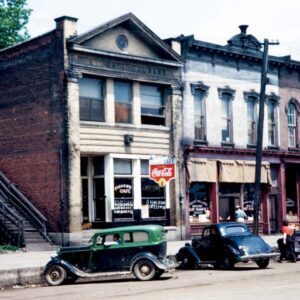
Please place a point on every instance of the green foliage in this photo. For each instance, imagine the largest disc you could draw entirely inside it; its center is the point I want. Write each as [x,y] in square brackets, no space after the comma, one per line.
[14,17]
[7,248]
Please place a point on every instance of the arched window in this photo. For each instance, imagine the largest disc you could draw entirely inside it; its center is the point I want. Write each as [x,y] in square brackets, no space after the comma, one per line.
[251,99]
[292,125]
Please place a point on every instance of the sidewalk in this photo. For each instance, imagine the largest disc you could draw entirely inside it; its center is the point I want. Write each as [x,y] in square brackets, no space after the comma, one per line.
[22,268]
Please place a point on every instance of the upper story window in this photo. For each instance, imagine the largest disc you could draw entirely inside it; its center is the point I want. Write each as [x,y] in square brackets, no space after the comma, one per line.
[199,91]
[251,100]
[152,105]
[226,96]
[91,99]
[292,124]
[272,105]
[123,102]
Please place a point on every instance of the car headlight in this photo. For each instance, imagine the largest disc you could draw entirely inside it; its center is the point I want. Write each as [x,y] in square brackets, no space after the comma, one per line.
[53,255]
[244,249]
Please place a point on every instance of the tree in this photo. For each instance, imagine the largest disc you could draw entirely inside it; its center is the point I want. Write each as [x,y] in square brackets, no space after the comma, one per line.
[14,17]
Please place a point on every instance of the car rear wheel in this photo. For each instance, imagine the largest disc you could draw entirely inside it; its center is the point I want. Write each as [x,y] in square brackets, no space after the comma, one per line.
[55,275]
[262,263]
[144,269]
[228,263]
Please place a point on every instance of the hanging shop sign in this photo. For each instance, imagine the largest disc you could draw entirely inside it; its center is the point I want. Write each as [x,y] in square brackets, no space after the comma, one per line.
[162,169]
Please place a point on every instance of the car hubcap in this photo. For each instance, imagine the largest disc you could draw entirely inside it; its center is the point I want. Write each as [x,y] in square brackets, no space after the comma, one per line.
[145,270]
[55,275]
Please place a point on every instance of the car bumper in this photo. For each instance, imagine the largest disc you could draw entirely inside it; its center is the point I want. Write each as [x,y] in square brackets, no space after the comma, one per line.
[171,263]
[258,256]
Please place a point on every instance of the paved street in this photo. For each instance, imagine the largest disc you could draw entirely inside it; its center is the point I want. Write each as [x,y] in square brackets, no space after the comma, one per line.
[279,281]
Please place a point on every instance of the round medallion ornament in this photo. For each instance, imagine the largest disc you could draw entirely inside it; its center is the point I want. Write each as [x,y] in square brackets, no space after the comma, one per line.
[122,42]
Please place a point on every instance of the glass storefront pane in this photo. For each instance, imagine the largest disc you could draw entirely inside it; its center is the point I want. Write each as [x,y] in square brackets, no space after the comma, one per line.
[199,207]
[123,194]
[122,166]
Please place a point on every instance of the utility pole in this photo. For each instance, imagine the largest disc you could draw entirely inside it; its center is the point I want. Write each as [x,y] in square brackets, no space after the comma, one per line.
[260,129]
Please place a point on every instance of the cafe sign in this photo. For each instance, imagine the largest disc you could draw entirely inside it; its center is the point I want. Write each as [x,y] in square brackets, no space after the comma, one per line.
[162,169]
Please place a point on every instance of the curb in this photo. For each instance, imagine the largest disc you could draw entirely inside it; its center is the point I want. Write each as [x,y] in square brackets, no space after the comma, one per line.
[22,277]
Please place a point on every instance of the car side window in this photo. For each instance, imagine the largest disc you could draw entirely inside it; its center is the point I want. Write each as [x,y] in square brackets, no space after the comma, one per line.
[206,233]
[100,240]
[139,236]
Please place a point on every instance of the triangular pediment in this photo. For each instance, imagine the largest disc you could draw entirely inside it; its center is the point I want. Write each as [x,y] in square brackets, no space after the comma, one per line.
[127,36]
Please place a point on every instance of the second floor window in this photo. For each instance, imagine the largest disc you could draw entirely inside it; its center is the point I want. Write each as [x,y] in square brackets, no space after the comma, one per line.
[199,115]
[123,102]
[292,125]
[226,122]
[91,99]
[152,105]
[251,120]
[272,123]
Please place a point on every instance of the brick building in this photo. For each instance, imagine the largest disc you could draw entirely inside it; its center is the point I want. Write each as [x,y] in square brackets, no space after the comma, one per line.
[80,117]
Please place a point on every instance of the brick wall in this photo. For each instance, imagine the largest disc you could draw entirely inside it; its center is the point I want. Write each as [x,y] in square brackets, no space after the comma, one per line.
[32,110]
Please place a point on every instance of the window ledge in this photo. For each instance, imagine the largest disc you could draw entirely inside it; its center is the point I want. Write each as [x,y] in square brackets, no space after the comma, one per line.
[251,146]
[294,149]
[227,145]
[273,148]
[200,143]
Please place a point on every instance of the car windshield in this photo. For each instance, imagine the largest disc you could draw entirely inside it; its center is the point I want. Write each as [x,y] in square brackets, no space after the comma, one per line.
[234,229]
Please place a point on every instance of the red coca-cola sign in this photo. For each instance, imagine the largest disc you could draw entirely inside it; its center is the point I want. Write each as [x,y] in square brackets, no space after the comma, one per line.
[162,170]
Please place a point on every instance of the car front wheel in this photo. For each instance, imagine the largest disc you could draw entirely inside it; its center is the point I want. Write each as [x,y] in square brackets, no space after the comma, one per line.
[55,275]
[144,269]
[262,263]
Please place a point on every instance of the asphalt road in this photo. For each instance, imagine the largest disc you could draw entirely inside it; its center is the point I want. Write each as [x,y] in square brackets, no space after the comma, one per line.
[246,281]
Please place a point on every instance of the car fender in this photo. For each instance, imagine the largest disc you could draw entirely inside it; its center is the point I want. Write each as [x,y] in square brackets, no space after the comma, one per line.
[67,266]
[148,255]
[232,251]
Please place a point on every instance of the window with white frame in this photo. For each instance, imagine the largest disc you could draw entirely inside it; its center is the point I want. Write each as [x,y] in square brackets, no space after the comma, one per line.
[226,96]
[272,122]
[199,91]
[251,100]
[153,196]
[91,99]
[123,189]
[152,104]
[199,116]
[292,124]
[123,101]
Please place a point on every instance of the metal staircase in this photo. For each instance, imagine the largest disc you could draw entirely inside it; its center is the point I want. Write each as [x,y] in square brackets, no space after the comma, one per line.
[21,224]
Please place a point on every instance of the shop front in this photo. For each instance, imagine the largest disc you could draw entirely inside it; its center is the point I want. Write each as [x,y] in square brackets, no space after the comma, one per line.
[117,191]
[217,185]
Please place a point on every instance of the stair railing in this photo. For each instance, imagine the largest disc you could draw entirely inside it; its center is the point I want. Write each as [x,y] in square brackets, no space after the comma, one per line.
[8,215]
[25,207]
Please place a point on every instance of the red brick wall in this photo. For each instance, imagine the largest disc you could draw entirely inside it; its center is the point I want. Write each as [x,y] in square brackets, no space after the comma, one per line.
[32,109]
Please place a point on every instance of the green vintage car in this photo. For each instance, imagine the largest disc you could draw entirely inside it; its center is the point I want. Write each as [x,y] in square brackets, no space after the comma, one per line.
[138,250]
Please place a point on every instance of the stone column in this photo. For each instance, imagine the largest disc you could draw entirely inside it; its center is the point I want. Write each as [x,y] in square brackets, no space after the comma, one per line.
[282,194]
[178,199]
[73,140]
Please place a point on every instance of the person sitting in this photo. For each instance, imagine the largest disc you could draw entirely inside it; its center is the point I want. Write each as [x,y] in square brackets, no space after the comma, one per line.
[116,238]
[286,244]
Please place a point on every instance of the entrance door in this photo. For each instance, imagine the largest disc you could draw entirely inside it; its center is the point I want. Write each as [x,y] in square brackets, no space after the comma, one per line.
[85,200]
[99,199]
[273,213]
[227,206]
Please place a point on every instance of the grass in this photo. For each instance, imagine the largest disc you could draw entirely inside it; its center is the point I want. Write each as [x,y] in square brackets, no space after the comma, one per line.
[7,248]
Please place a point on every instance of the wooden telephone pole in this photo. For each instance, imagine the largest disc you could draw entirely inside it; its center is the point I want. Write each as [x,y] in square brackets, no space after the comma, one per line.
[260,127]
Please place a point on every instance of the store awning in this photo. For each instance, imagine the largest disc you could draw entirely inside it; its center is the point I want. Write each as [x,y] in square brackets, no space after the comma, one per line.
[201,170]
[231,171]
[243,171]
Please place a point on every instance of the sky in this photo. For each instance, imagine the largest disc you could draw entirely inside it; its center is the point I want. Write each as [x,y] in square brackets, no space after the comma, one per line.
[213,21]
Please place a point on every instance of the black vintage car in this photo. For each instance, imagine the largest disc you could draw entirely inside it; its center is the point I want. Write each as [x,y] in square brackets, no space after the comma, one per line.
[140,250]
[223,245]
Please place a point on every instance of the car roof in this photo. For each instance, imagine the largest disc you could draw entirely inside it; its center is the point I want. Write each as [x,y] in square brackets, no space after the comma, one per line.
[148,228]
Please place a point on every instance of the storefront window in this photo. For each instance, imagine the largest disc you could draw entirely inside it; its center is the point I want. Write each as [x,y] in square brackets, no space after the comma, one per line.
[123,190]
[248,206]
[199,206]
[153,196]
